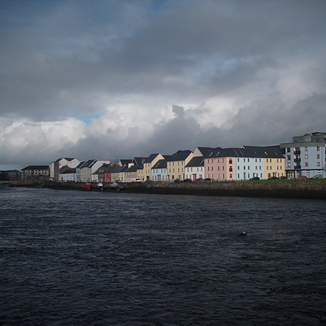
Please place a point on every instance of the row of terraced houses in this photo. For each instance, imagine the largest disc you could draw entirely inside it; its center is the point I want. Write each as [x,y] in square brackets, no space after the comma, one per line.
[305,156]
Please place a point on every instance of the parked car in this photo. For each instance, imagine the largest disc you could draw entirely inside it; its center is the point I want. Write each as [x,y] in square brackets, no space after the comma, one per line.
[302,177]
[317,176]
[254,178]
[187,180]
[207,179]
[273,178]
[176,180]
[199,179]
[283,177]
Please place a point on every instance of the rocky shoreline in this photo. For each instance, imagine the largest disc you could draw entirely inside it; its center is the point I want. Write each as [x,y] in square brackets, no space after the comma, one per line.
[306,189]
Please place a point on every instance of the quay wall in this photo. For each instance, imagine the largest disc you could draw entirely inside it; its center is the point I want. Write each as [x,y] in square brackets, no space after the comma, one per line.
[308,189]
[313,189]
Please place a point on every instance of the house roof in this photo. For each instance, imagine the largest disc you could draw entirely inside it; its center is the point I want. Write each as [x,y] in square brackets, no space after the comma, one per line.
[133,168]
[161,164]
[64,158]
[139,160]
[151,158]
[180,155]
[68,171]
[196,161]
[125,161]
[36,167]
[247,151]
[207,150]
[119,169]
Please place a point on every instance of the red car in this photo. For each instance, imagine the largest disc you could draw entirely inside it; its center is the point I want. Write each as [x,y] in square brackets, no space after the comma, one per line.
[302,177]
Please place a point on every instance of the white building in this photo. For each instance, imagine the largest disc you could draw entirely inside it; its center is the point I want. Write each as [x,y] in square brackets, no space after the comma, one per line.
[305,156]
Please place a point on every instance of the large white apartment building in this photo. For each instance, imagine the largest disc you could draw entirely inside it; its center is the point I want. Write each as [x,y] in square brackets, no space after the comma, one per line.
[305,156]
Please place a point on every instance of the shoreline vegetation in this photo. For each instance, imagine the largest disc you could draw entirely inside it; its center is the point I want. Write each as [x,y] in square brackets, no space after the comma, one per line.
[305,189]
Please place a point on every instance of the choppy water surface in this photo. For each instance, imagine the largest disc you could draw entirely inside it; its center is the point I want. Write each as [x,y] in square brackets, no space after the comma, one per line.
[91,258]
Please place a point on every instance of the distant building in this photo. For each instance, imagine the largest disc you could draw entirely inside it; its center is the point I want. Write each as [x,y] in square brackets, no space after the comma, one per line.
[160,171]
[305,156]
[36,173]
[176,164]
[195,169]
[13,175]
[55,167]
[243,163]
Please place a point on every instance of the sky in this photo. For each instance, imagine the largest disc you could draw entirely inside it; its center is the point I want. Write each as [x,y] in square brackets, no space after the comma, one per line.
[112,79]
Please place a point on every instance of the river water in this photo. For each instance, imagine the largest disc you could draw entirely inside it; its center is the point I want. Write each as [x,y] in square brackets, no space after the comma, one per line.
[94,258]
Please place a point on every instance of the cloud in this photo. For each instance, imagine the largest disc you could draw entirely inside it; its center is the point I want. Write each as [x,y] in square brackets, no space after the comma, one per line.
[151,76]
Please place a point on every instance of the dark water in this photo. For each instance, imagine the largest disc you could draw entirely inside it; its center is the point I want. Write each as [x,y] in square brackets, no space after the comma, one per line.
[85,258]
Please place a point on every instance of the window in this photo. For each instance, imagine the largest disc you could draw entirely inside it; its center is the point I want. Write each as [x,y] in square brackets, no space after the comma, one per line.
[288,149]
[306,164]
[288,165]
[306,156]
[318,156]
[288,157]
[318,163]
[318,148]
[208,168]
[230,176]
[306,148]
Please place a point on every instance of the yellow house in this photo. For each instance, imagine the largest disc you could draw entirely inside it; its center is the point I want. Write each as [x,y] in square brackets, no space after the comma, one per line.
[176,164]
[145,172]
[274,167]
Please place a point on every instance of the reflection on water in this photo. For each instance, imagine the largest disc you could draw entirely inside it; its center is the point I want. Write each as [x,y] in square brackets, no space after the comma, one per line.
[84,258]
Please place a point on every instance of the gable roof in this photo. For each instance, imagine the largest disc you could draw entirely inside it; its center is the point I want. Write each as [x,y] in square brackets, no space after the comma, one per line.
[180,155]
[151,158]
[207,150]
[36,167]
[161,164]
[196,161]
[247,151]
[64,158]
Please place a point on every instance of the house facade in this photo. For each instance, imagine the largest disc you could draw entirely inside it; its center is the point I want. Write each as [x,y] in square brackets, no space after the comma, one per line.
[195,169]
[145,171]
[67,175]
[36,173]
[243,163]
[176,164]
[305,155]
[59,164]
[160,171]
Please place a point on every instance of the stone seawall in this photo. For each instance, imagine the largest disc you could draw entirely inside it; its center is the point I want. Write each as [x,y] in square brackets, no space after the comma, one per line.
[308,189]
[314,189]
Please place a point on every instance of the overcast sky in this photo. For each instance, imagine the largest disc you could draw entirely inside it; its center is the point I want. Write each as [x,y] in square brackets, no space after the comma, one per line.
[117,79]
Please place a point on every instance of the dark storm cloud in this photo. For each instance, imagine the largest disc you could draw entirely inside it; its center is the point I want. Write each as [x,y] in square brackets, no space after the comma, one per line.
[174,59]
